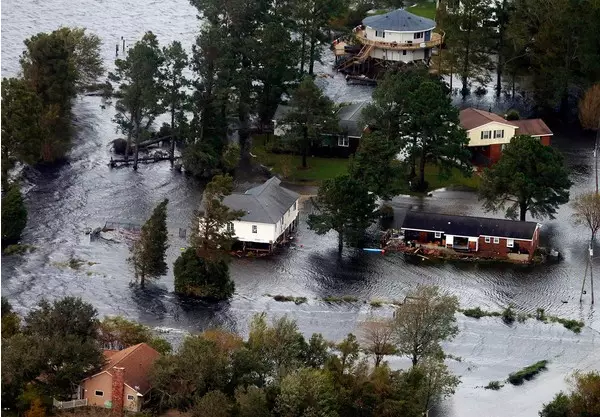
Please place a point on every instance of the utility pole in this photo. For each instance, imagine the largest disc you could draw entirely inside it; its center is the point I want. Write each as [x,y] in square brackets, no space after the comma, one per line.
[589,265]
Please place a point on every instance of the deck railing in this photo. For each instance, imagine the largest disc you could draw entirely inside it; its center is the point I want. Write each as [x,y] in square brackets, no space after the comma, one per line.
[436,40]
[69,404]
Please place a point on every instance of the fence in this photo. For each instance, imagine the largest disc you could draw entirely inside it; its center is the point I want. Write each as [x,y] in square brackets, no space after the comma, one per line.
[69,404]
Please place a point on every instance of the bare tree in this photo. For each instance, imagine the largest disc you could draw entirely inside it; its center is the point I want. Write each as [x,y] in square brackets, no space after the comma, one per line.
[587,211]
[423,321]
[589,108]
[377,338]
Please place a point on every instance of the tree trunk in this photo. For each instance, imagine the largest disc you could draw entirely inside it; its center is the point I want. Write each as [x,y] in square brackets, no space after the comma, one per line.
[500,66]
[172,150]
[142,281]
[305,146]
[465,74]
[340,242]
[311,57]
[522,211]
[137,151]
[302,52]
[414,359]
[422,172]
[378,359]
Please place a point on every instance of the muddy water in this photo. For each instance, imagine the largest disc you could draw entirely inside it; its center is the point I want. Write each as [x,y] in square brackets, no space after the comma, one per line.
[86,193]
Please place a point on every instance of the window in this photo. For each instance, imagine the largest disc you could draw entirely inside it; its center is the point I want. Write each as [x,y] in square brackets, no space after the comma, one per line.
[486,134]
[230,227]
[380,33]
[404,52]
[510,243]
[254,228]
[487,239]
[498,134]
[496,240]
[130,397]
[99,393]
[438,234]
[419,35]
[343,141]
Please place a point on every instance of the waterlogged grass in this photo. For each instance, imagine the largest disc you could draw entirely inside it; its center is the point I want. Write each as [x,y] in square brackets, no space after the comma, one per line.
[478,313]
[376,303]
[573,325]
[289,298]
[527,373]
[494,385]
[18,249]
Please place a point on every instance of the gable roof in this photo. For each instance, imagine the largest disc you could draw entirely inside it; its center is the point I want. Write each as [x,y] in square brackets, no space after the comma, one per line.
[136,361]
[350,117]
[469,225]
[471,118]
[399,20]
[532,127]
[266,203]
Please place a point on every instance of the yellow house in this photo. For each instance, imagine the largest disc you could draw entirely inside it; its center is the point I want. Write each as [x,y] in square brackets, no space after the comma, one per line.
[123,381]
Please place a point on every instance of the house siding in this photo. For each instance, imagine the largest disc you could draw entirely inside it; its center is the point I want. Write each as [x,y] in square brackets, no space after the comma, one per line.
[265,233]
[502,250]
[101,382]
[475,134]
[395,36]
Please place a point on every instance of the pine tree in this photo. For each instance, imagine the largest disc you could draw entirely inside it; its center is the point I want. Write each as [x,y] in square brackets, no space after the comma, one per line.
[149,251]
[14,216]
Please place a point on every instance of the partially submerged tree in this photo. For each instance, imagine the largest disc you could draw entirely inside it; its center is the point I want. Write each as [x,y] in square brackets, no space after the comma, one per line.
[586,209]
[140,87]
[589,108]
[583,400]
[312,113]
[148,253]
[529,177]
[423,321]
[202,277]
[377,338]
[345,205]
[14,216]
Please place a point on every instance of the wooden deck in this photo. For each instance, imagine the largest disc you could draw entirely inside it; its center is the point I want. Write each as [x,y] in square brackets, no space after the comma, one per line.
[436,40]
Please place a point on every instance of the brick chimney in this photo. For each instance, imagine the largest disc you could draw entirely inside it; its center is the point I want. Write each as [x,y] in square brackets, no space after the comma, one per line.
[118,390]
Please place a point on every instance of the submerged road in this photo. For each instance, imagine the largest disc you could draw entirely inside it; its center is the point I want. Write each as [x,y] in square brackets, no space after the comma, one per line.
[87,193]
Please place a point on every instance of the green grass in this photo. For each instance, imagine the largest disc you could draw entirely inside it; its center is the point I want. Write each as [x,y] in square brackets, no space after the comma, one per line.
[18,249]
[494,385]
[527,373]
[423,8]
[289,298]
[573,325]
[456,179]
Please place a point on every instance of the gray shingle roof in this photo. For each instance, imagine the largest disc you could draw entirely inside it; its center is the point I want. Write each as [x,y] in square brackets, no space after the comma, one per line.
[266,203]
[350,118]
[468,225]
[399,20]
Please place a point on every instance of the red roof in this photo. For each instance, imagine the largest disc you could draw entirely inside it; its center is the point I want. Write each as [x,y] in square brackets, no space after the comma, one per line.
[471,118]
[532,127]
[136,361]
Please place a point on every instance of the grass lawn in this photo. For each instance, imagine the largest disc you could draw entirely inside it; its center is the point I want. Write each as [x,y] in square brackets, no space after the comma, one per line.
[424,8]
[289,167]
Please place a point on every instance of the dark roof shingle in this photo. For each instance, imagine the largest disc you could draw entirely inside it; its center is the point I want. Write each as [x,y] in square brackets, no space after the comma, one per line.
[532,127]
[399,20]
[469,225]
[471,118]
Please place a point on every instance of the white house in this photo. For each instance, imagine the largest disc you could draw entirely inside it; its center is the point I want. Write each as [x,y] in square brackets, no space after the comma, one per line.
[271,214]
[395,36]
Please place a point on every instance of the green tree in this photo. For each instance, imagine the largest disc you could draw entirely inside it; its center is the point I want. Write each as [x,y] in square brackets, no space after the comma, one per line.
[586,209]
[307,393]
[312,113]
[212,404]
[202,277]
[346,206]
[119,333]
[11,323]
[140,88]
[377,165]
[529,177]
[423,321]
[148,253]
[583,400]
[468,36]
[435,125]
[252,402]
[214,217]
[437,383]
[22,131]
[501,13]
[558,407]
[175,62]
[14,216]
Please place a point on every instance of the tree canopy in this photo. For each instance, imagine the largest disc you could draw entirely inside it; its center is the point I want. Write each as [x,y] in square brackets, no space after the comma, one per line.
[345,205]
[14,216]
[587,211]
[529,177]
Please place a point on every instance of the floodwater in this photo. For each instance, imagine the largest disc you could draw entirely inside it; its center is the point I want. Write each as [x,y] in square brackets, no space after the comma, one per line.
[87,193]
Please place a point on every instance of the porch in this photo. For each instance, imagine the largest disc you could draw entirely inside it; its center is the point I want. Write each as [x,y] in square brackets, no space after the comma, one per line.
[436,40]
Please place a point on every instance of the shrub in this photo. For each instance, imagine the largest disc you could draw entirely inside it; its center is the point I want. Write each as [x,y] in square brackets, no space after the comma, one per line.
[508,315]
[376,303]
[14,216]
[540,314]
[573,325]
[527,373]
[495,385]
[286,298]
[204,278]
[476,313]
[18,249]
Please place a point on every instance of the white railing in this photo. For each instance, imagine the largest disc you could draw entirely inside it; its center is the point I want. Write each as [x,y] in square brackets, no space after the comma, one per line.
[69,404]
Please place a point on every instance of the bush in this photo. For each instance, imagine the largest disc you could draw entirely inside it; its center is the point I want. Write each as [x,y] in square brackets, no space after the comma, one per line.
[14,216]
[376,303]
[286,298]
[203,278]
[573,325]
[540,314]
[476,313]
[495,385]
[527,373]
[508,315]
[17,249]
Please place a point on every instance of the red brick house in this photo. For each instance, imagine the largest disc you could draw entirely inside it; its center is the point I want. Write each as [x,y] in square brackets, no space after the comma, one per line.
[488,133]
[123,381]
[481,236]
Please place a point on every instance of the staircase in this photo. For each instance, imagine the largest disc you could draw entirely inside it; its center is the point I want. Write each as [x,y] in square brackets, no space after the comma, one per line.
[356,59]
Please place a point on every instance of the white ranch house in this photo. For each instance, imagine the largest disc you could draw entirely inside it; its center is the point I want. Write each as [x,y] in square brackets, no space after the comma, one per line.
[271,214]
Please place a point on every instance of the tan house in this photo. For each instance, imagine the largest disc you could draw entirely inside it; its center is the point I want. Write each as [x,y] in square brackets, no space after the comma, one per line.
[488,133]
[123,381]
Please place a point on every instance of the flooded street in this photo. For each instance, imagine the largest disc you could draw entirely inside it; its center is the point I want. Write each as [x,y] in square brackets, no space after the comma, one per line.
[86,193]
